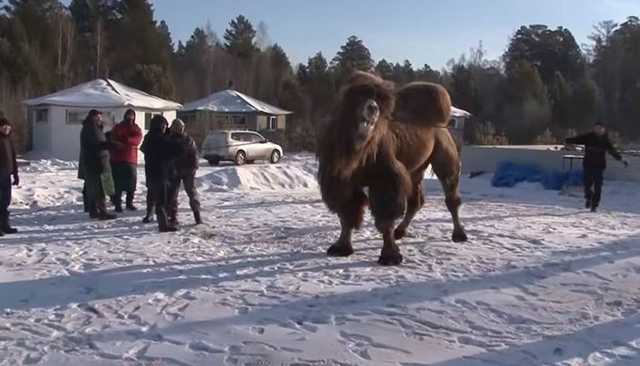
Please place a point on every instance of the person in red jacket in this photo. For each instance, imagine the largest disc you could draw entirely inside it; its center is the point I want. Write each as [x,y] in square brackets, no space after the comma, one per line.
[125,138]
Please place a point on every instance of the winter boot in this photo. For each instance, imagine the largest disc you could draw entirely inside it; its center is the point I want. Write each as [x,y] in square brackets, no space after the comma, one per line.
[168,229]
[587,204]
[163,221]
[105,216]
[594,208]
[149,216]
[130,205]
[173,222]
[85,201]
[116,200]
[196,216]
[101,211]
[5,227]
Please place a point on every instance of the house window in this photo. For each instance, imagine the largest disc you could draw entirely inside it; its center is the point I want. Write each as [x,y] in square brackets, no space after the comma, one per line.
[238,120]
[273,123]
[75,117]
[42,115]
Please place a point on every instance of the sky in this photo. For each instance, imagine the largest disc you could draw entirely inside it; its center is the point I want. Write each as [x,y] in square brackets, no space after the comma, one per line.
[422,31]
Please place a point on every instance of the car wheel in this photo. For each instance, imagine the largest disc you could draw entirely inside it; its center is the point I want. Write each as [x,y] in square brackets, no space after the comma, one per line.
[241,158]
[214,162]
[275,157]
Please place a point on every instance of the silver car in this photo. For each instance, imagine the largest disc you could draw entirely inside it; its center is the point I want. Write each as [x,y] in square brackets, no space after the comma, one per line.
[239,147]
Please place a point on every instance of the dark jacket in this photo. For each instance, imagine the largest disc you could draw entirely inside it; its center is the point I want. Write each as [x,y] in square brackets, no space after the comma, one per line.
[8,164]
[159,152]
[595,149]
[94,151]
[187,162]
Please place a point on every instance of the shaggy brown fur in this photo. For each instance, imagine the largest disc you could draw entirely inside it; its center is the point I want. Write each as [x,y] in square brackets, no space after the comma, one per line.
[389,159]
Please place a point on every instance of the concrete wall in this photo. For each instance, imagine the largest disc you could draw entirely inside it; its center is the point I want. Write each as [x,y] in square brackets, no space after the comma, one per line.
[485,158]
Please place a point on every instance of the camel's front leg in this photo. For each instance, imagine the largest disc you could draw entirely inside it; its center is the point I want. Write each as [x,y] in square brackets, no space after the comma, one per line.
[351,213]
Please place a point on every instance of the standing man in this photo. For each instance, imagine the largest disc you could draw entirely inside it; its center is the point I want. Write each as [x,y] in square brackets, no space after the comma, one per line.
[186,165]
[596,144]
[8,169]
[94,166]
[159,151]
[125,138]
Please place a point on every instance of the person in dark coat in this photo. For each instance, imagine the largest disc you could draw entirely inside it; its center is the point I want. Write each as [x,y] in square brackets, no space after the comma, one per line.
[186,165]
[125,139]
[159,151]
[597,145]
[8,169]
[94,162]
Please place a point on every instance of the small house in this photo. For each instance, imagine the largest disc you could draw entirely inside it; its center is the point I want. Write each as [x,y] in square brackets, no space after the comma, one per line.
[55,120]
[230,109]
[456,124]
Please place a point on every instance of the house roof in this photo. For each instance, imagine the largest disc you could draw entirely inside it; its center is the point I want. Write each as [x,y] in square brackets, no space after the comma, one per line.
[232,101]
[104,93]
[457,112]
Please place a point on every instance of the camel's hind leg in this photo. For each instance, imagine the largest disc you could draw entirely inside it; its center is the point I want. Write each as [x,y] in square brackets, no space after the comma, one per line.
[446,164]
[414,204]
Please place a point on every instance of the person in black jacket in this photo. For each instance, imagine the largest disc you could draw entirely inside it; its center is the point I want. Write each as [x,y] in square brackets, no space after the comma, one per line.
[8,169]
[186,165]
[94,162]
[597,144]
[159,151]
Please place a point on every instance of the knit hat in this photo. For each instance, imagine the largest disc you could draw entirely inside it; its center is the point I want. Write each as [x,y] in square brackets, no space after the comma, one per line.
[177,126]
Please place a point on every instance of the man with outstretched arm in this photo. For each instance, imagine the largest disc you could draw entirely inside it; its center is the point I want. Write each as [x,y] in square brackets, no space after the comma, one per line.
[596,145]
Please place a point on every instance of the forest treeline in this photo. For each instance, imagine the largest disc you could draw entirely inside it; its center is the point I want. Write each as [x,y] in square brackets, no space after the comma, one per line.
[544,87]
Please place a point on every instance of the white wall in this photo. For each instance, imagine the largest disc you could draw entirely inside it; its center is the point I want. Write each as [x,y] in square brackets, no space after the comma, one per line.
[41,132]
[485,158]
[64,139]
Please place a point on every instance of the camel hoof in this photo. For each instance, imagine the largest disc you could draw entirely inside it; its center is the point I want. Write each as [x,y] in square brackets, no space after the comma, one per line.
[340,250]
[399,233]
[390,259]
[459,236]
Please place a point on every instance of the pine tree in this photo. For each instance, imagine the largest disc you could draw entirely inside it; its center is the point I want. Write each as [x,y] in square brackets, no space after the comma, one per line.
[384,69]
[240,38]
[353,55]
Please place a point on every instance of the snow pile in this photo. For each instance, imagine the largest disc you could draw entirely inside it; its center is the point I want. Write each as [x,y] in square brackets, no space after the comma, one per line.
[262,178]
[49,166]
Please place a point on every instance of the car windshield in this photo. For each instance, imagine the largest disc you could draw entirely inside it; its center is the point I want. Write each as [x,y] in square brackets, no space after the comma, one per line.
[253,137]
[216,139]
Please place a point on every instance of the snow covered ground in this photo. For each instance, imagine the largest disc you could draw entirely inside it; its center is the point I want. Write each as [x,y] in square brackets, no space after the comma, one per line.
[541,281]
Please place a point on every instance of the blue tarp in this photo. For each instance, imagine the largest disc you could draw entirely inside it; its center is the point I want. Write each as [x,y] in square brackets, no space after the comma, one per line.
[508,174]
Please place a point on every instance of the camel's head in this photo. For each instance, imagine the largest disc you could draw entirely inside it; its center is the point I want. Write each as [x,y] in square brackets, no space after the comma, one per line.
[367,103]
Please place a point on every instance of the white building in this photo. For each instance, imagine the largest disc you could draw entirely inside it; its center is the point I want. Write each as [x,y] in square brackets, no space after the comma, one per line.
[456,124]
[55,120]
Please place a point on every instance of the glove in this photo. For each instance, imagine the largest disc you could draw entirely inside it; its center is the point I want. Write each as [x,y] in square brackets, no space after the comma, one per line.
[626,163]
[16,180]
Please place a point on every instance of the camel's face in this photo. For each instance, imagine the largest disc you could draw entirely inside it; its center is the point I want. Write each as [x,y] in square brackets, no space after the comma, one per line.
[364,108]
[369,116]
